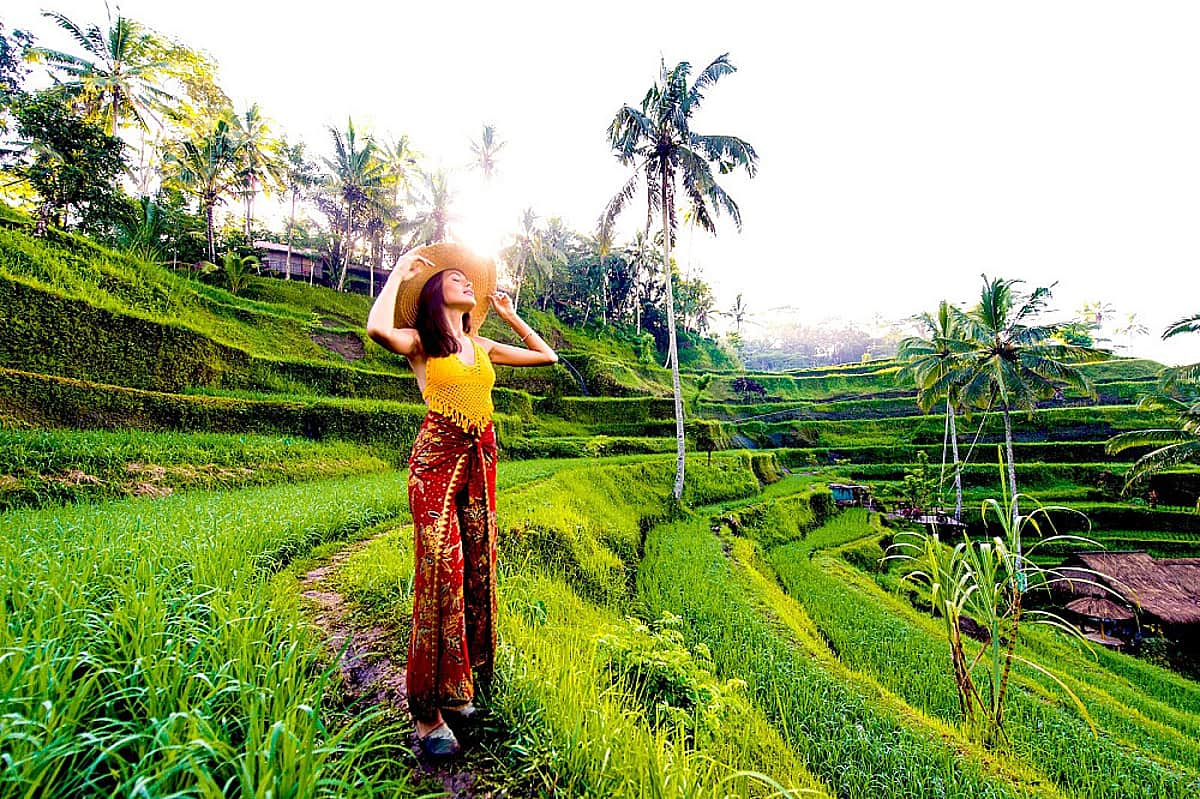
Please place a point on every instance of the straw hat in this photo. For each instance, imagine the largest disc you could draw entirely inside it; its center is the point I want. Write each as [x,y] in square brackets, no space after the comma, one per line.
[434,258]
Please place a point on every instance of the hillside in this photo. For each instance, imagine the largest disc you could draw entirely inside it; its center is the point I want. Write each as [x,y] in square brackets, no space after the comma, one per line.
[208,554]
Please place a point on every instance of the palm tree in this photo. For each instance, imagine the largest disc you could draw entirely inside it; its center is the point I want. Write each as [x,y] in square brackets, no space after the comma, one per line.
[399,164]
[207,169]
[485,152]
[602,243]
[236,270]
[1004,356]
[926,359]
[534,253]
[1177,395]
[120,72]
[260,160]
[300,175]
[357,176]
[432,218]
[658,141]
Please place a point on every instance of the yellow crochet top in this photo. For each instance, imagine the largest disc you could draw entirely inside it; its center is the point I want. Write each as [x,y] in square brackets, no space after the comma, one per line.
[460,392]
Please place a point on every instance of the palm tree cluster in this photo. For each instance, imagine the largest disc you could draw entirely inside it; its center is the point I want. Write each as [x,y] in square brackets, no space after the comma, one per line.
[196,154]
[997,355]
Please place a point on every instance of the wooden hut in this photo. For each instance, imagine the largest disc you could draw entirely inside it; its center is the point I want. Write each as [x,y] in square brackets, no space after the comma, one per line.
[1163,592]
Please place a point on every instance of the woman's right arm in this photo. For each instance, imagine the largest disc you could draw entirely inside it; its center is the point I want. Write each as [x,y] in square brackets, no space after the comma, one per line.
[381,321]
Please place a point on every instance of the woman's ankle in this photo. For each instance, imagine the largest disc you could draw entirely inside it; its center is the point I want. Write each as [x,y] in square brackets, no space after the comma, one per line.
[426,727]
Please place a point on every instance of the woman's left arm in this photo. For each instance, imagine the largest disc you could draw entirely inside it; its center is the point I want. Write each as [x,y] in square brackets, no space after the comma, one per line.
[539,352]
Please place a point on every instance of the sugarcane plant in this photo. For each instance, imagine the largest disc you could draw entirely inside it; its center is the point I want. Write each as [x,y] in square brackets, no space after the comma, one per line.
[982,585]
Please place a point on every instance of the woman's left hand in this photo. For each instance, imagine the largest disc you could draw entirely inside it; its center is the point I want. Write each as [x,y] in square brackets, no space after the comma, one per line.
[503,304]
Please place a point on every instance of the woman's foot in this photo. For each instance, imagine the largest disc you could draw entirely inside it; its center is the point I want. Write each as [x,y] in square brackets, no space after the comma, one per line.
[437,739]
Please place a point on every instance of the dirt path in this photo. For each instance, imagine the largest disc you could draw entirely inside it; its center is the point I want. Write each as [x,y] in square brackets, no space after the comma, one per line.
[374,675]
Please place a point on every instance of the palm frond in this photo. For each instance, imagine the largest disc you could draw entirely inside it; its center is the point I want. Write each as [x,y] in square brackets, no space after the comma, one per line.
[719,67]
[1189,324]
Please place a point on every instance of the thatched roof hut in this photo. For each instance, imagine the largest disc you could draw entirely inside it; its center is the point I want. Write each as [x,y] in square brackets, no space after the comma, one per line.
[1100,608]
[1164,591]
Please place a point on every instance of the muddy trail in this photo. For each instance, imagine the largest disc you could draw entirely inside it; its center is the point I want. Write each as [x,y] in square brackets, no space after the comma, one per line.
[372,663]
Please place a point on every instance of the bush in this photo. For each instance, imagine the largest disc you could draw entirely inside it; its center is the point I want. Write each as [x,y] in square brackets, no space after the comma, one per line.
[676,687]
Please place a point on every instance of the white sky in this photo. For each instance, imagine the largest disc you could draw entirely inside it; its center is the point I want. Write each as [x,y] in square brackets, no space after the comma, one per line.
[904,147]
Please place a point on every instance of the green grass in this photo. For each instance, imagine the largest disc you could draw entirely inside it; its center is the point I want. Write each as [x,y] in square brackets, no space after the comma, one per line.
[871,631]
[148,651]
[42,467]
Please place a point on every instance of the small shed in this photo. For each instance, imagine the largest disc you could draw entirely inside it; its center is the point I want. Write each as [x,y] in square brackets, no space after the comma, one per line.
[845,495]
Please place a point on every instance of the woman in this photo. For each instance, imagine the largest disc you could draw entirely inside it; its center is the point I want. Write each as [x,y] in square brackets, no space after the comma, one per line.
[428,311]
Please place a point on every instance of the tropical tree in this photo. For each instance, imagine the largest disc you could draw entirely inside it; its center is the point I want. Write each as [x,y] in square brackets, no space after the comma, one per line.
[738,312]
[260,161]
[602,243]
[667,155]
[485,151]
[207,169]
[69,161]
[532,255]
[1131,328]
[357,178]
[235,270]
[430,205]
[1178,395]
[300,175]
[926,361]
[1004,357]
[119,75]
[399,165]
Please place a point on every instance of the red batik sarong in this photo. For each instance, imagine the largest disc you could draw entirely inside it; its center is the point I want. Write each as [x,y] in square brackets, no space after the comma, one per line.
[452,496]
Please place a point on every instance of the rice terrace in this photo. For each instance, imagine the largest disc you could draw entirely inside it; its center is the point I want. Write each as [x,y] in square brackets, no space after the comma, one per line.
[738,552]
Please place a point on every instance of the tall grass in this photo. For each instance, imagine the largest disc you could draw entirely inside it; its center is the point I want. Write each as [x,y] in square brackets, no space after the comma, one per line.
[144,651]
[855,744]
[39,467]
[879,634]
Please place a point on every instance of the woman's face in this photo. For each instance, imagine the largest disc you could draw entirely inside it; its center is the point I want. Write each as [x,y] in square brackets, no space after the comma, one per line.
[457,291]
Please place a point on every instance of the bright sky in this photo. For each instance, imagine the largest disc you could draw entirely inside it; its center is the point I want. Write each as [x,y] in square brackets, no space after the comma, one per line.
[905,148]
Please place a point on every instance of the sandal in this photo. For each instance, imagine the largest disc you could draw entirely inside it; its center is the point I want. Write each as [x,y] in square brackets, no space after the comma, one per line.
[440,742]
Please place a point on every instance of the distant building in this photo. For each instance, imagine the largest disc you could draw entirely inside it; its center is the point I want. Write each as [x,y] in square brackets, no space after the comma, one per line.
[311,266]
[1163,592]
[307,265]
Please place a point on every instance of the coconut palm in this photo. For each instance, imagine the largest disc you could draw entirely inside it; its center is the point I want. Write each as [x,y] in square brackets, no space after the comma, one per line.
[602,244]
[485,152]
[432,216]
[119,75]
[1179,396]
[667,155]
[1004,357]
[399,164]
[299,176]
[206,169]
[261,164]
[357,177]
[535,253]
[926,359]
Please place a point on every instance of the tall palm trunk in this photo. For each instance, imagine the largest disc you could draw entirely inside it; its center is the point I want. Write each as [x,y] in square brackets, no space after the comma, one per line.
[1012,474]
[212,243]
[957,466]
[287,264]
[672,350]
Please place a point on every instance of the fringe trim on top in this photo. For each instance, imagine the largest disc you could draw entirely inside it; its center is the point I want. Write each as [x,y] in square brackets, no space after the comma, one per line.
[471,425]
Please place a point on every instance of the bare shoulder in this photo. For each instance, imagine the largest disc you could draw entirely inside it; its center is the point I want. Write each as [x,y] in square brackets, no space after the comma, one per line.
[486,343]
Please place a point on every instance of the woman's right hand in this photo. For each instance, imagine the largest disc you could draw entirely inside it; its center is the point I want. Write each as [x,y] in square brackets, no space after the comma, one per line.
[409,266]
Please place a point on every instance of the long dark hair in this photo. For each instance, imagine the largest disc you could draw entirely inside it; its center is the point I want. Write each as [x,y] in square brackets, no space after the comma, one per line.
[437,340]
